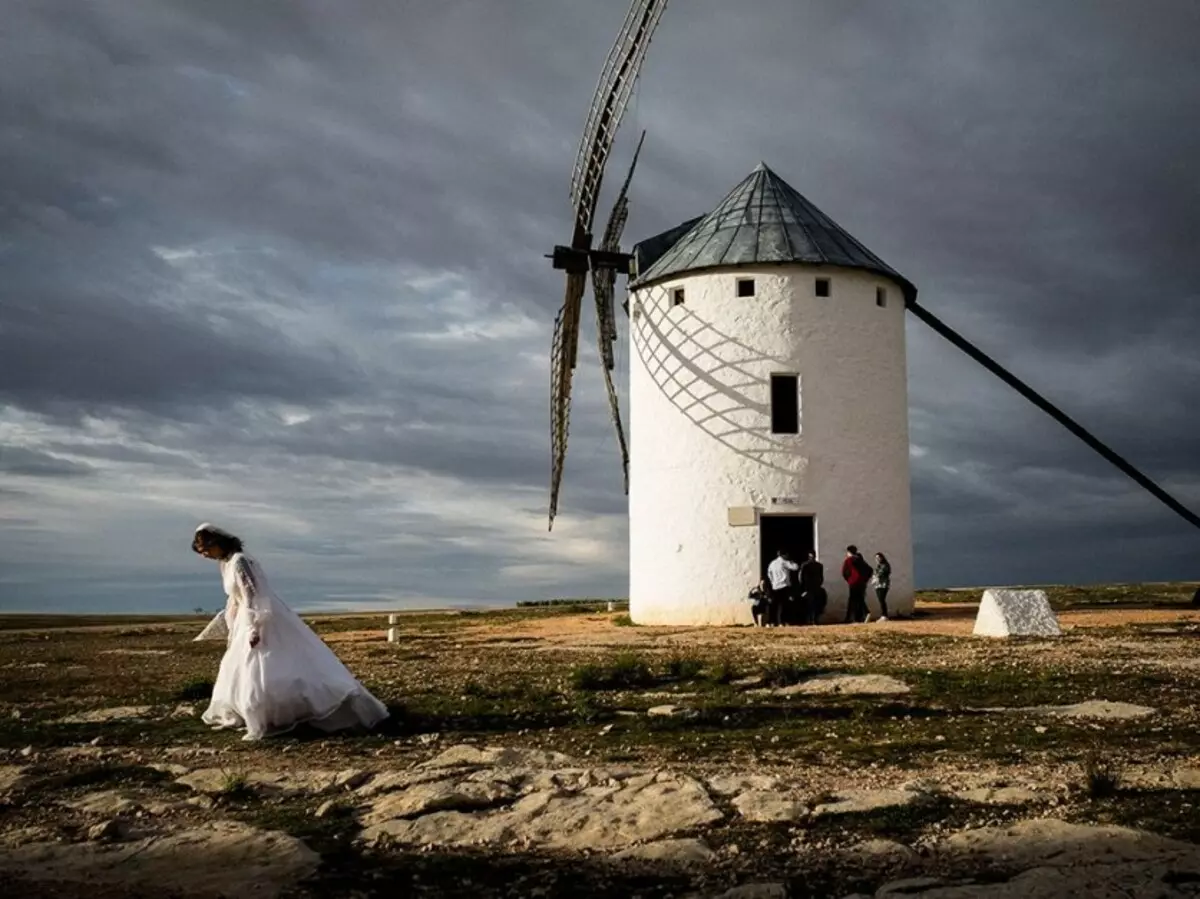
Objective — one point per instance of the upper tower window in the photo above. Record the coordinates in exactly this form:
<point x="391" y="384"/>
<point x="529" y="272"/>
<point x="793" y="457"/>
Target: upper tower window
<point x="785" y="404"/>
<point x="824" y="287"/>
<point x="745" y="287"/>
<point x="677" y="296"/>
<point x="881" y="297"/>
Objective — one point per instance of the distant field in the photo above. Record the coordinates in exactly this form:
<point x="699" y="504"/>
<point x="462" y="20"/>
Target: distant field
<point x="1123" y="596"/>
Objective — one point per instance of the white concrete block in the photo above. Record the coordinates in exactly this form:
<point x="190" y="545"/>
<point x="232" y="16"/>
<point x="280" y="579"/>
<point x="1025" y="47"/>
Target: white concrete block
<point x="214" y="630"/>
<point x="1016" y="613"/>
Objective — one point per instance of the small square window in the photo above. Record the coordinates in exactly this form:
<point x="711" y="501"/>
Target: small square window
<point x="745" y="287"/>
<point x="824" y="288"/>
<point x="881" y="297"/>
<point x="677" y="296"/>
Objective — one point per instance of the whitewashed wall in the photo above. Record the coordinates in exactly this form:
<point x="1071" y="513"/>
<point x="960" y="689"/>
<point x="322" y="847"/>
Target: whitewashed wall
<point x="701" y="440"/>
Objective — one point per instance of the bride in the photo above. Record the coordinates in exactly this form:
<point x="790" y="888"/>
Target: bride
<point x="276" y="672"/>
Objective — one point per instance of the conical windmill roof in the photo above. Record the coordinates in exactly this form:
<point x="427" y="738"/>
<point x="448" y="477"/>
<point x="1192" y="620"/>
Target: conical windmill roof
<point x="763" y="221"/>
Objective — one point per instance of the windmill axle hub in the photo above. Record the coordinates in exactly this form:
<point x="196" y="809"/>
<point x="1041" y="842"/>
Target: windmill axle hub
<point x="579" y="262"/>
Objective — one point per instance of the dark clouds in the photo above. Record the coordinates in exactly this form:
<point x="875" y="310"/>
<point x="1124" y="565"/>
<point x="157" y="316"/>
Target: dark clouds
<point x="280" y="265"/>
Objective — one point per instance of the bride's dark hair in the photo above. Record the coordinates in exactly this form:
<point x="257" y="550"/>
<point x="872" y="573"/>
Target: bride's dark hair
<point x="226" y="544"/>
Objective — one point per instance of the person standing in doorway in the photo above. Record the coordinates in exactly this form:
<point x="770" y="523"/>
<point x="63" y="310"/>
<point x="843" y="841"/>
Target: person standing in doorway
<point x="779" y="573"/>
<point x="857" y="574"/>
<point x="882" y="581"/>
<point x="812" y="589"/>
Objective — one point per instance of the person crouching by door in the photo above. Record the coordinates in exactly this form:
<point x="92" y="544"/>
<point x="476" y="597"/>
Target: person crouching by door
<point x="779" y="573"/>
<point x="857" y="574"/>
<point x="760" y="599"/>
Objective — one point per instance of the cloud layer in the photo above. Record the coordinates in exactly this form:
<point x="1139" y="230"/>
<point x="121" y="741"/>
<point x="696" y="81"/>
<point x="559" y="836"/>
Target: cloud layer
<point x="280" y="266"/>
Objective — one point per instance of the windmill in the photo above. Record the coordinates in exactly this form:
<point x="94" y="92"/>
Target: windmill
<point x="606" y="261"/>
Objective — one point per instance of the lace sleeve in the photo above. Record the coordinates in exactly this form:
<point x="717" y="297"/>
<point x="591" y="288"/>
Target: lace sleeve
<point x="258" y="603"/>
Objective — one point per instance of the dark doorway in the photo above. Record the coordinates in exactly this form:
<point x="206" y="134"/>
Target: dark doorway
<point x="795" y="534"/>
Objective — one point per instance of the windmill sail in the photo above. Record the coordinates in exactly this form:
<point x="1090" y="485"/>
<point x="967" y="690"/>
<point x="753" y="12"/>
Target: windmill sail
<point x="604" y="286"/>
<point x="562" y="368"/>
<point x="604" y="117"/>
<point x="608" y="105"/>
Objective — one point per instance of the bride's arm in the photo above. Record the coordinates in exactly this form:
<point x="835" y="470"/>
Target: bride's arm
<point x="258" y="603"/>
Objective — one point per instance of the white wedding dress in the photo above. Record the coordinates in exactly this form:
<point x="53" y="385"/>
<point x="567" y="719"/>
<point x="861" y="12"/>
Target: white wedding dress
<point x="291" y="677"/>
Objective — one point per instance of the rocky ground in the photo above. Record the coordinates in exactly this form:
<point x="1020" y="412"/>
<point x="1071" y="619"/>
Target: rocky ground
<point x="542" y="753"/>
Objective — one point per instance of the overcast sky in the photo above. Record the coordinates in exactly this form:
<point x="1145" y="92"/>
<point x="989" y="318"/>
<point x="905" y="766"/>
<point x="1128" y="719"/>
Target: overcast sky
<point x="278" y="265"/>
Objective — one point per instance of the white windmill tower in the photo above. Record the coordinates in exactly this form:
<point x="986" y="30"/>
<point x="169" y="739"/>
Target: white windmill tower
<point x="769" y="406"/>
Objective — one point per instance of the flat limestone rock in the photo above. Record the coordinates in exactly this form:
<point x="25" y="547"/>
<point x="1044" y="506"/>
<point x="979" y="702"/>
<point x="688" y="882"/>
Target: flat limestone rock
<point x="135" y="652"/>
<point x="212" y="781"/>
<point x="1048" y="842"/>
<point x="1016" y="613"/>
<point x="464" y="756"/>
<point x="882" y="853"/>
<point x="13" y="779"/>
<point x="214" y="860"/>
<point x="1002" y="796"/>
<point x="841" y="684"/>
<point x="640" y="809"/>
<point x="732" y="784"/>
<point x="447" y="795"/>
<point x="109" y="803"/>
<point x="1101" y="709"/>
<point x="680" y="852"/>
<point x="104" y="716"/>
<point x="856" y="801"/>
<point x="769" y="806"/>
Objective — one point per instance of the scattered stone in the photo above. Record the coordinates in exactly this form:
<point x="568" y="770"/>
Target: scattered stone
<point x="670" y="711"/>
<point x="764" y="806"/>
<point x="753" y="681"/>
<point x="854" y="801"/>
<point x="26" y="752"/>
<point x="329" y="808"/>
<point x="218" y="859"/>
<point x="676" y="852"/>
<point x="111" y="831"/>
<point x="428" y="739"/>
<point x="15" y="714"/>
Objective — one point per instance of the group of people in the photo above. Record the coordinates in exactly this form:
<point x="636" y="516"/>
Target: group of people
<point x="794" y="594"/>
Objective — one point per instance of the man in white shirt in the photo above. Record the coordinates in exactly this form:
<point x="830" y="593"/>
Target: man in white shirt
<point x="779" y="573"/>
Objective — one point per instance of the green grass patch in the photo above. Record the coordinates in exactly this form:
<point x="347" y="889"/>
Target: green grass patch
<point x="627" y="671"/>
